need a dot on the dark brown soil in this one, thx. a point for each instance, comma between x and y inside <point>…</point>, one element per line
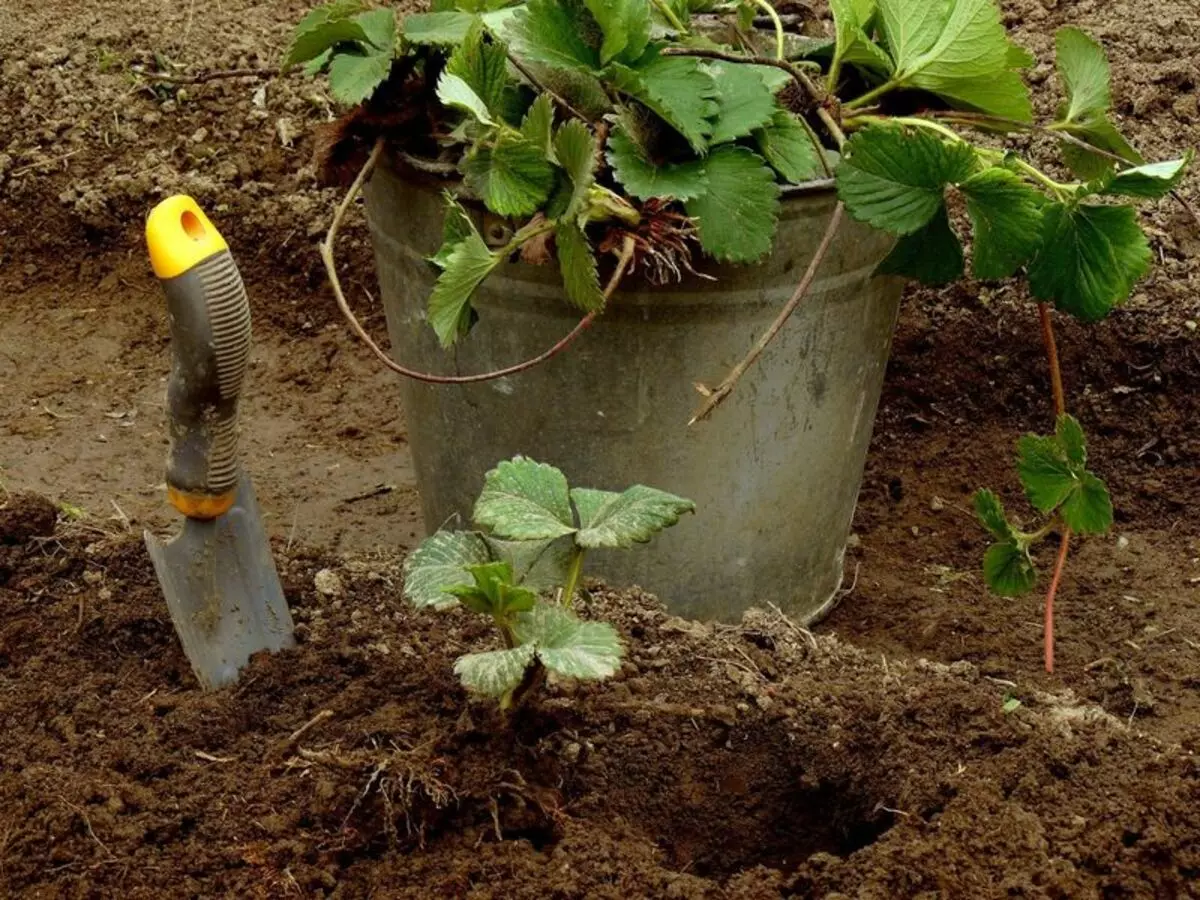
<point>748,762</point>
<point>724,763</point>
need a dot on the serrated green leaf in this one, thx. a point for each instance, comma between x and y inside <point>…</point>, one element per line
<point>583,91</point>
<point>852,43</point>
<point>537,565</point>
<point>643,180</point>
<point>443,28</point>
<point>1070,437</point>
<point>1045,472</point>
<point>452,91</point>
<point>495,673</point>
<point>1006,214</point>
<point>990,510</point>
<point>786,145</point>
<point>1088,509</point>
<point>512,177</point>
<point>679,89</point>
<point>537,126</point>
<point>494,591</point>
<point>1084,71</point>
<point>972,43</point>
<point>353,77</point>
<point>626,27</point>
<point>1090,258</point>
<point>1018,57</point>
<point>444,558</point>
<point>911,27</point>
<point>456,228</point>
<point>1102,134</point>
<point>1001,93</point>
<point>525,500</point>
<point>553,33</point>
<point>1149,182</point>
<point>589,651</point>
<point>933,255</point>
<point>318,63</point>
<point>744,101</point>
<point>1008,570</point>
<point>575,148</point>
<point>735,217</point>
<point>482,65</point>
<point>581,280</point>
<point>379,25</point>
<point>466,265</point>
<point>896,179</point>
<point>322,29</point>
<point>608,519</point>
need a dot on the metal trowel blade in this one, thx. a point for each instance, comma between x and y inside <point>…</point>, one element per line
<point>223,591</point>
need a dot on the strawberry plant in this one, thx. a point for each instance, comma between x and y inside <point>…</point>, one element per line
<point>666,132</point>
<point>534,534</point>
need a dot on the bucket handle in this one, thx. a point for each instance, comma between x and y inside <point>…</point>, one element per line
<point>623,261</point>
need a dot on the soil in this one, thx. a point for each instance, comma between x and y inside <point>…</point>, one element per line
<point>877,761</point>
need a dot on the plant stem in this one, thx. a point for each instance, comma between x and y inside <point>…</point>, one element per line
<point>326,249</point>
<point>914,121</point>
<point>1059,564</point>
<point>780,52</point>
<point>574,573</point>
<point>542,89</point>
<point>872,95</point>
<point>670,16</point>
<point>1056,188</point>
<point>1060,409</point>
<point>714,397</point>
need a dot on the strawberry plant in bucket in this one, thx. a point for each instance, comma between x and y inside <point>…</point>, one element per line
<point>642,147</point>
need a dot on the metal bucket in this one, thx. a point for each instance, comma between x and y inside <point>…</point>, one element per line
<point>775,473</point>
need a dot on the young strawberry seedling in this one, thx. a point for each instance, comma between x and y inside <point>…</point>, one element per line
<point>535,533</point>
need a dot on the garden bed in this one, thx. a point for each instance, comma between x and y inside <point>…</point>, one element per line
<point>740,762</point>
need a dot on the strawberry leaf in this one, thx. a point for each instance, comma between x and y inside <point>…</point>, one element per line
<point>512,177</point>
<point>1006,214</point>
<point>568,646</point>
<point>608,519</point>
<point>482,65</point>
<point>444,558</point>
<point>744,101</point>
<point>578,265</point>
<point>525,500</point>
<point>736,215</point>
<point>642,179</point>
<point>354,77</point>
<point>626,27</point>
<point>679,89</point>
<point>552,32</point>
<point>990,510</point>
<point>932,255</point>
<point>1148,182</point>
<point>785,143</point>
<point>466,265</point>
<point>1008,569</point>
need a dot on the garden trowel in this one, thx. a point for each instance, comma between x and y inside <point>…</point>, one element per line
<point>217,574</point>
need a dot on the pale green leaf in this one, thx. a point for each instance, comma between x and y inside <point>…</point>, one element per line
<point>896,179</point>
<point>454,92</point>
<point>379,25</point>
<point>744,100</point>
<point>932,255</point>
<point>1090,258</point>
<point>1010,705</point>
<point>494,673</point>
<point>785,143</point>
<point>575,148</point>
<point>853,45</point>
<point>911,27</point>
<point>1149,182</point>
<point>322,29</point>
<point>1045,472</point>
<point>1088,509</point>
<point>537,126</point>
<point>1008,570</point>
<point>450,303</point>
<point>447,27</point>
<point>568,646</point>
<point>1006,214</point>
<point>1070,435</point>
<point>1084,71</point>
<point>679,89</point>
<point>581,280</point>
<point>537,565</point>
<point>525,500</point>
<point>608,519</point>
<point>643,180</point>
<point>1100,133</point>
<point>512,177</point>
<point>1018,57</point>
<point>456,228</point>
<point>1001,93</point>
<point>482,65</point>
<point>735,217</point>
<point>553,33</point>
<point>990,510</point>
<point>443,559</point>
<point>626,27</point>
<point>353,78</point>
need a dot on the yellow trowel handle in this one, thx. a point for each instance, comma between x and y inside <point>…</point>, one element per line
<point>210,344</point>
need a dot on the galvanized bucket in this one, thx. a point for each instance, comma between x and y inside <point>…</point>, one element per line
<point>775,473</point>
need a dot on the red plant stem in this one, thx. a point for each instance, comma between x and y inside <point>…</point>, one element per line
<point>623,262</point>
<point>1060,409</point>
<point>1059,565</point>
